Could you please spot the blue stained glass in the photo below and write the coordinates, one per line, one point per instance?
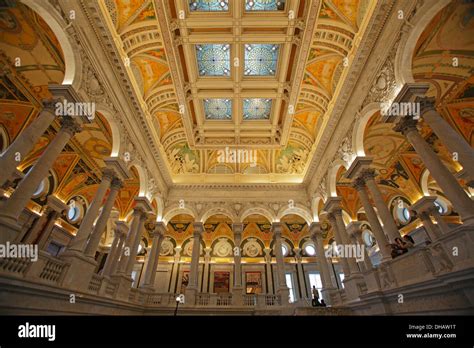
(208, 5)
(264, 5)
(218, 109)
(257, 109)
(261, 59)
(213, 59)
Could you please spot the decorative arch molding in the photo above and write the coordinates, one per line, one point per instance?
(114, 128)
(359, 127)
(332, 175)
(315, 203)
(403, 59)
(143, 179)
(258, 210)
(424, 182)
(299, 210)
(72, 61)
(174, 210)
(217, 210)
(159, 207)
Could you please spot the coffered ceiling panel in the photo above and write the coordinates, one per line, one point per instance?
(254, 75)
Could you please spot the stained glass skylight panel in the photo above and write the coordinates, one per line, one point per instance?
(213, 59)
(257, 109)
(261, 59)
(208, 5)
(218, 109)
(264, 5)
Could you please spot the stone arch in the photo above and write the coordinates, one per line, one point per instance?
(297, 210)
(332, 175)
(73, 65)
(114, 128)
(143, 179)
(217, 210)
(174, 210)
(268, 214)
(315, 206)
(160, 206)
(360, 125)
(406, 48)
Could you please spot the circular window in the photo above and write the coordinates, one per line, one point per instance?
(42, 188)
(406, 214)
(75, 211)
(368, 238)
(402, 212)
(72, 213)
(284, 249)
(441, 205)
(310, 250)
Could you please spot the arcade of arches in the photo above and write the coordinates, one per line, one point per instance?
(236, 152)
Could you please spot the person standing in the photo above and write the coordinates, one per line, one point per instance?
(315, 300)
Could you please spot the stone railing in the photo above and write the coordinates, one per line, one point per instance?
(164, 299)
(53, 269)
(45, 268)
(14, 266)
(95, 283)
(224, 300)
(250, 300)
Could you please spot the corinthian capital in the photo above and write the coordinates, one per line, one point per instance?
(406, 125)
(368, 174)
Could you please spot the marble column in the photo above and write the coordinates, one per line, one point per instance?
(423, 208)
(11, 209)
(101, 223)
(382, 242)
(339, 241)
(324, 263)
(268, 268)
(238, 288)
(282, 288)
(25, 142)
(326, 280)
(137, 233)
(152, 263)
(207, 261)
(355, 231)
(111, 262)
(54, 208)
(443, 225)
(429, 226)
(368, 175)
(80, 240)
(194, 268)
(445, 179)
(238, 229)
(299, 270)
(174, 274)
(453, 141)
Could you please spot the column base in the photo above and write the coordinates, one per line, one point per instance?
(9, 228)
(326, 295)
(190, 296)
(354, 286)
(284, 293)
(124, 284)
(238, 296)
(469, 220)
(79, 273)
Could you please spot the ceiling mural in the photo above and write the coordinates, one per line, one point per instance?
(77, 170)
(221, 66)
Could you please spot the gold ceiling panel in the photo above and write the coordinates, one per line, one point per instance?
(215, 79)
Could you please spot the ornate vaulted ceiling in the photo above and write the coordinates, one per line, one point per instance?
(246, 75)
